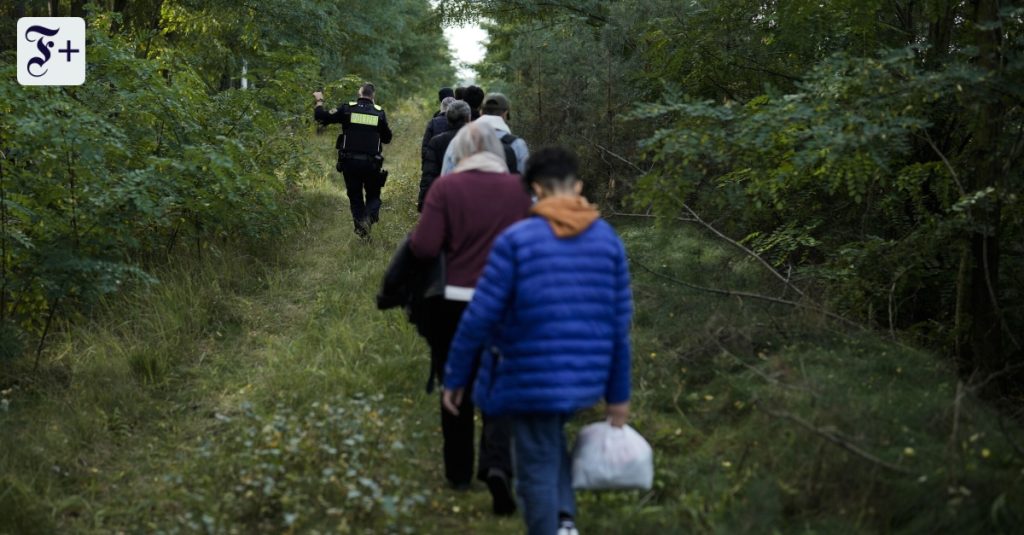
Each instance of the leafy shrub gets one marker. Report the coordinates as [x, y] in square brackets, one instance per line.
[120, 171]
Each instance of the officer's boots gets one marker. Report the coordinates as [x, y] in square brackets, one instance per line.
[363, 229]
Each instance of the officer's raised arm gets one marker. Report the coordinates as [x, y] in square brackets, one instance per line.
[323, 116]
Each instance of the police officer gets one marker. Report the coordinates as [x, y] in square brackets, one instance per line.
[364, 128]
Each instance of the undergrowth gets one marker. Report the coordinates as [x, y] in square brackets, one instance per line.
[266, 394]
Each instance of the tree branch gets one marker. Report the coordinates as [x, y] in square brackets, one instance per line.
[835, 439]
[695, 218]
[956, 178]
[748, 295]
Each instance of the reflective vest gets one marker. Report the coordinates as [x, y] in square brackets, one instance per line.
[360, 133]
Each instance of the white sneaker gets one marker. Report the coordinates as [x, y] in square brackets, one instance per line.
[568, 528]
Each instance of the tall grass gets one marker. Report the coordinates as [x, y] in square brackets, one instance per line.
[267, 394]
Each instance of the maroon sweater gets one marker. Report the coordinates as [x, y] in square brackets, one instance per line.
[462, 215]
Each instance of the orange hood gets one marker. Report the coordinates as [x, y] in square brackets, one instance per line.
[568, 215]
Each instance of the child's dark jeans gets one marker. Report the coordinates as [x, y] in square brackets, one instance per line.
[543, 470]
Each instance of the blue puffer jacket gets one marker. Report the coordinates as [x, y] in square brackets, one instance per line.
[550, 322]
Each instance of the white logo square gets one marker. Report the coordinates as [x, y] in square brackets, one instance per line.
[51, 51]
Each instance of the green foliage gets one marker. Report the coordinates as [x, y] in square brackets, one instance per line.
[852, 148]
[131, 165]
[274, 472]
[874, 147]
[721, 384]
[158, 154]
[248, 347]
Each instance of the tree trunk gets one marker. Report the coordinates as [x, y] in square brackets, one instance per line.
[53, 8]
[78, 8]
[985, 333]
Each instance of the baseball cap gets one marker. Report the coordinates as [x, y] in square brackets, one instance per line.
[496, 103]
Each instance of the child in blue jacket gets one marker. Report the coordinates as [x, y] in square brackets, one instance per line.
[548, 334]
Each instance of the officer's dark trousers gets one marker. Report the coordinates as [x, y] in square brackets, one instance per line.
[362, 175]
[495, 440]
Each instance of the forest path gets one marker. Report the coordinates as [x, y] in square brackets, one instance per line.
[316, 335]
[245, 395]
[137, 429]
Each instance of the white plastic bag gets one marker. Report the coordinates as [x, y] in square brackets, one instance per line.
[607, 458]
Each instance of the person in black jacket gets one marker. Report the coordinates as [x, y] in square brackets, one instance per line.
[438, 123]
[442, 94]
[364, 129]
[457, 116]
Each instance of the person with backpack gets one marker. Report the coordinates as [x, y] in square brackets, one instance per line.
[496, 110]
[457, 116]
[547, 334]
[463, 213]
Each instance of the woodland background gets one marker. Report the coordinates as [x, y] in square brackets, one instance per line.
[875, 147]
[821, 202]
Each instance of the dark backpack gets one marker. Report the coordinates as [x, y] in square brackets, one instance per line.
[510, 155]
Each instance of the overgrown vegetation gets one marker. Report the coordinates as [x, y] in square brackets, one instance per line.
[160, 154]
[873, 147]
[230, 374]
[266, 395]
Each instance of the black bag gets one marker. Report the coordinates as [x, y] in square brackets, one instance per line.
[510, 155]
[411, 283]
[408, 281]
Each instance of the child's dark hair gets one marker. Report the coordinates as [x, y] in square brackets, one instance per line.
[552, 168]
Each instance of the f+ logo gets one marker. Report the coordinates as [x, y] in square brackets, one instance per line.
[38, 37]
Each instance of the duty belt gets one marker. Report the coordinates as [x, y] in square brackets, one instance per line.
[358, 156]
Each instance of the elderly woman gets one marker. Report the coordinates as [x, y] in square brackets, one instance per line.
[433, 153]
[463, 213]
[438, 123]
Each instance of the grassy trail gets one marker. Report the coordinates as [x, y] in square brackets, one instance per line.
[129, 400]
[269, 395]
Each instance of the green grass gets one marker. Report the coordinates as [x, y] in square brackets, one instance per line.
[266, 394]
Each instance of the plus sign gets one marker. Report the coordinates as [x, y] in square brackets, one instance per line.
[68, 50]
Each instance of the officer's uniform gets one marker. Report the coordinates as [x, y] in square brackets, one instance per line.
[364, 128]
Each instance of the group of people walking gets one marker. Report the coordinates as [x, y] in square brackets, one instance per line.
[530, 320]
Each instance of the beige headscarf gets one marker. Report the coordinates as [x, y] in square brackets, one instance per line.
[477, 148]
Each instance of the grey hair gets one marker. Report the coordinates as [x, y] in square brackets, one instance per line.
[446, 102]
[458, 113]
[475, 138]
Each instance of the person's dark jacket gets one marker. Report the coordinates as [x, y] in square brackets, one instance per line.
[408, 283]
[437, 125]
[409, 280]
[433, 156]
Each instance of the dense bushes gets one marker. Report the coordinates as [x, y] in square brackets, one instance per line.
[100, 179]
[873, 146]
[159, 153]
